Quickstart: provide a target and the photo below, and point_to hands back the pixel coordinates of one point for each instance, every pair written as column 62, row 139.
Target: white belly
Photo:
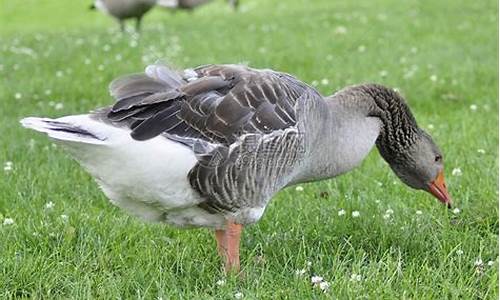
column 148, row 179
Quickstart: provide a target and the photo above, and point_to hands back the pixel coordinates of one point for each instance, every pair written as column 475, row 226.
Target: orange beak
column 437, row 187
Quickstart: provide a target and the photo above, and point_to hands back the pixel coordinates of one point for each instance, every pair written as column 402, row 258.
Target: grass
column 56, row 58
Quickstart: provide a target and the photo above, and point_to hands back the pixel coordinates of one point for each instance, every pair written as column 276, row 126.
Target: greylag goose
column 210, row 146
column 191, row 4
column 125, row 9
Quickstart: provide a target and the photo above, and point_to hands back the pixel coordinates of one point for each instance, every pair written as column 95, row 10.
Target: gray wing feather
column 241, row 123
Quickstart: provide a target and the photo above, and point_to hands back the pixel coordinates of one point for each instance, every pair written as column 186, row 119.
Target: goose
column 191, row 4
column 210, row 146
column 122, row 10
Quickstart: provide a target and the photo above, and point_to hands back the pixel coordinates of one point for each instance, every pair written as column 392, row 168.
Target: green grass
column 59, row 52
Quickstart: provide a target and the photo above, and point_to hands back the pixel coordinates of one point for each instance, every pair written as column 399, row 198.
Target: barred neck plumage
column 399, row 128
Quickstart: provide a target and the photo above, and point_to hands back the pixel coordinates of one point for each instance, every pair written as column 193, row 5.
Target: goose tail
column 77, row 129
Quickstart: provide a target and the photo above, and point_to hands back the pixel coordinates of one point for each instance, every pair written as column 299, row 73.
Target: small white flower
column 389, row 211
column 387, row 216
column 238, row 295
column 118, row 57
column 456, row 211
column 7, row 167
column 340, row 30
column 491, row 263
column 64, row 217
column 300, row 272
column 106, row 48
column 133, row 44
column 87, row 61
column 433, row 78
column 413, row 50
column 316, row 279
column 430, row 126
column 58, row 106
column 379, row 184
column 100, row 67
column 8, row 221
column 478, row 262
column 356, row 277
column 48, row 92
column 324, row 286
column 456, row 172
column 355, row 214
column 18, row 96
column 418, row 212
column 59, row 73
column 299, row 189
column 341, row 212
column 324, row 81
column 383, row 73
column 220, row 282
column 460, row 252
column 361, row 48
column 378, row 201
column 49, row 205
column 309, row 263
column 481, row 151
column 473, row 107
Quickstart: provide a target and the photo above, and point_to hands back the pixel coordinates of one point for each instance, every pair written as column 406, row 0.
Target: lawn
column 61, row 238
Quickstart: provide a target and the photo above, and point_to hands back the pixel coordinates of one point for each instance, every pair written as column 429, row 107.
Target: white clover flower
column 299, row 188
column 355, row 214
column 473, row 107
column 456, row 172
column 356, row 277
column 86, row 61
column 481, row 151
column 18, row 95
column 316, row 279
column 7, row 167
column 133, row 44
column 300, row 272
column 456, row 211
column 220, row 282
column 100, row 67
column 340, row 30
column 387, row 216
column 491, row 263
column 478, row 262
column 460, row 252
column 238, row 295
column 49, row 205
column 8, row 221
column 48, row 92
column 118, row 57
column 341, row 212
column 58, row 106
column 418, row 212
column 433, row 78
column 59, row 73
column 430, row 126
column 64, row 217
column 383, row 73
column 378, row 201
column 324, row 286
column 389, row 211
column 308, row 264
column 361, row 48
column 324, row 81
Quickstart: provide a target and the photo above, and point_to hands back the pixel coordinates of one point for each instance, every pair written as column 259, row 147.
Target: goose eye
column 438, row 158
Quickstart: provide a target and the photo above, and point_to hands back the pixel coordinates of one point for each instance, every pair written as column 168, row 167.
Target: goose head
column 421, row 166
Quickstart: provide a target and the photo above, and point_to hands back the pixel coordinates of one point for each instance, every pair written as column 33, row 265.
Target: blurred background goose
column 122, row 10
column 210, row 146
column 191, row 4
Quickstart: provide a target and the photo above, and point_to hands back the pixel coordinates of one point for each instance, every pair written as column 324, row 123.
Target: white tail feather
column 72, row 128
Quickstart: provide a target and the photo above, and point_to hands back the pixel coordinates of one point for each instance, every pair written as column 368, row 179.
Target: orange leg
column 228, row 245
column 233, row 234
column 220, row 237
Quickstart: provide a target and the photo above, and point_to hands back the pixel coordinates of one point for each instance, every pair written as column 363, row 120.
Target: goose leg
column 233, row 235
column 138, row 24
column 220, row 237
